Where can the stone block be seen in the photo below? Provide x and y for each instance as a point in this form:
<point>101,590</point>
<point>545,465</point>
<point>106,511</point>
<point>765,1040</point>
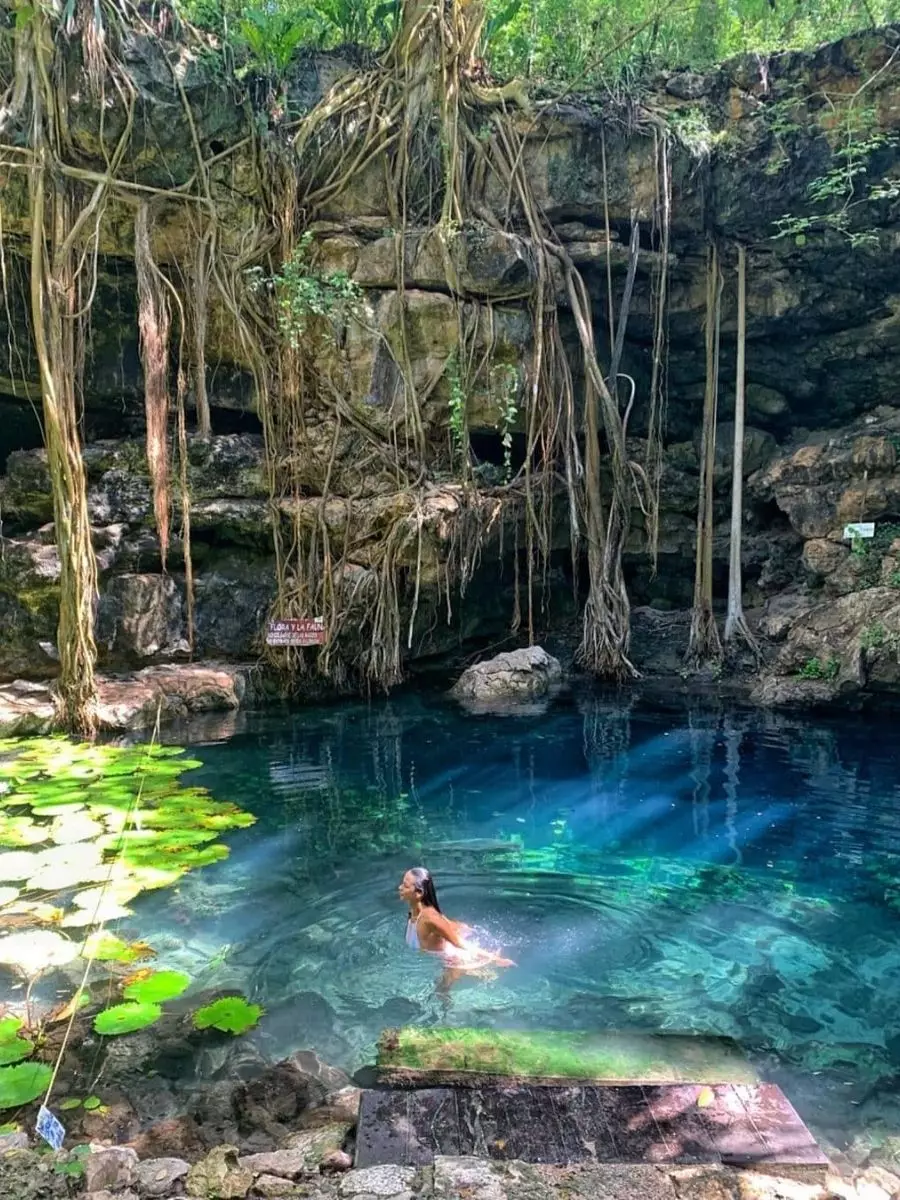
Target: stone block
<point>110,1168</point>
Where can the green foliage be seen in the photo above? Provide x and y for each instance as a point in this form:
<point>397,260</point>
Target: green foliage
<point>691,127</point>
<point>815,668</point>
<point>551,42</point>
<point>840,196</point>
<point>106,947</point>
<point>126,1018</point>
<point>23,1083</point>
<point>873,636</point>
<point>458,406</point>
<point>157,987</point>
<point>505,389</point>
<point>301,293</point>
<point>73,1164</point>
<point>13,1048</point>
<point>233,1014</point>
<point>271,37</point>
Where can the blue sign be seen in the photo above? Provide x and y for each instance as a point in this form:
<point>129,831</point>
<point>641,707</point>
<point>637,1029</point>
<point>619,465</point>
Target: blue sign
<point>52,1131</point>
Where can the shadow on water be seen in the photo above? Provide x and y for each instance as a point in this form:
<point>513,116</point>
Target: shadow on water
<point>649,867</point>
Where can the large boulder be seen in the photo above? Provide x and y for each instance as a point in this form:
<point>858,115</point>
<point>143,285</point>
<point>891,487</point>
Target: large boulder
<point>516,675</point>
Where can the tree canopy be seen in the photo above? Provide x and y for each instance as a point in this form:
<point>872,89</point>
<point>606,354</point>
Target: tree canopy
<point>558,43</point>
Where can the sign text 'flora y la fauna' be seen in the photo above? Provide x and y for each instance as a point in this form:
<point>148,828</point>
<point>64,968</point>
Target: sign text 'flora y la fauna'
<point>296,631</point>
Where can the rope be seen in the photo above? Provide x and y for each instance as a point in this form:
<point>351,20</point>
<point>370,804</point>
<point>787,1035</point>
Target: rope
<point>100,926</point>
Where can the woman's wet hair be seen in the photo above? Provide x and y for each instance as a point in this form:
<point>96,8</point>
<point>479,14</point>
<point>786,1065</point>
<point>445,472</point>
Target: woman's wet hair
<point>424,885</point>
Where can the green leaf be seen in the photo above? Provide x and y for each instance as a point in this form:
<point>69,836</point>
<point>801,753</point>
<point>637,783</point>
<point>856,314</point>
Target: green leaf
<point>15,1051</point>
<point>68,1105</point>
<point>92,1103</point>
<point>106,947</point>
<point>233,1014</point>
<point>23,1083</point>
<point>158,987</point>
<point>12,1047</point>
<point>126,1018</point>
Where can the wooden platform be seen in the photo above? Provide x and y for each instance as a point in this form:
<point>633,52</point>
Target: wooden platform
<point>441,1057</point>
<point>742,1125</point>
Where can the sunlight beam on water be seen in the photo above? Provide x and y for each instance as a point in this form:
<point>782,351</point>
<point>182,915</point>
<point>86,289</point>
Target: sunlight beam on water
<point>696,871</point>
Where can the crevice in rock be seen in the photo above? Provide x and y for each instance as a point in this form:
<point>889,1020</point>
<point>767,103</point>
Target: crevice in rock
<point>20,428</point>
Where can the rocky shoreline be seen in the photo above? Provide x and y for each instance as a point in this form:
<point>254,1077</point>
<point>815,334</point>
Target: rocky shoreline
<point>289,1132</point>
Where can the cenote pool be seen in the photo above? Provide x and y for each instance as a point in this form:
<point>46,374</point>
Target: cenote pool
<point>683,869</point>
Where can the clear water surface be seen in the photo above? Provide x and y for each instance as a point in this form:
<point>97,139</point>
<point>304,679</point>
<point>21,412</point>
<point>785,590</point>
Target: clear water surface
<point>684,869</point>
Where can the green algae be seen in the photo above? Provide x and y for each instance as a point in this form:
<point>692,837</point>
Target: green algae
<point>601,1056</point>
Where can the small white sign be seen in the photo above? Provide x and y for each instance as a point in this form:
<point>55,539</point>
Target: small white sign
<point>50,1129</point>
<point>864,529</point>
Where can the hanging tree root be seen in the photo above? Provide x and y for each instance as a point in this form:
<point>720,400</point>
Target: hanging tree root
<point>422,116</point>
<point>735,621</point>
<point>704,646</point>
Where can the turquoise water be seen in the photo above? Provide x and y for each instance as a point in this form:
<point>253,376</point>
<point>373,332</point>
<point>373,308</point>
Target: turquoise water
<point>723,872</point>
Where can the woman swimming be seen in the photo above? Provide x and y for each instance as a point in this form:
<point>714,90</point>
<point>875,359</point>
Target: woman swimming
<point>428,929</point>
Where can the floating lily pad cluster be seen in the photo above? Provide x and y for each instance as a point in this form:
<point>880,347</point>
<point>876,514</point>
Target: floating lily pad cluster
<point>84,829</point>
<point>87,828</point>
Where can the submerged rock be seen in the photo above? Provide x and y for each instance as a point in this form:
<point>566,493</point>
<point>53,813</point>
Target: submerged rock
<point>515,675</point>
<point>275,1101</point>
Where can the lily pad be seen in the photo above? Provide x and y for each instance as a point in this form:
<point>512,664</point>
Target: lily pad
<point>233,1014</point>
<point>21,831</point>
<point>12,1047</point>
<point>36,951</point>
<point>79,827</point>
<point>84,918</point>
<point>16,866</point>
<point>121,891</point>
<point>92,1103</point>
<point>15,1050</point>
<point>157,987</point>
<point>47,914</point>
<point>7,895</point>
<point>23,1083</point>
<point>106,947</point>
<point>126,1018</point>
<point>69,1105</point>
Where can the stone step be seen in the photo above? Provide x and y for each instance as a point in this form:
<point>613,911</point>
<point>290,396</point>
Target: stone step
<point>454,1056</point>
<point>736,1124</point>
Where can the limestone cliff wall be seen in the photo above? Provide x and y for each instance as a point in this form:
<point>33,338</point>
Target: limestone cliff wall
<point>747,142</point>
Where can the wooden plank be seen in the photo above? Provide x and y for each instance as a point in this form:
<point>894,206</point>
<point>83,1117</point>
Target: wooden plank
<point>671,1123</point>
<point>455,1057</point>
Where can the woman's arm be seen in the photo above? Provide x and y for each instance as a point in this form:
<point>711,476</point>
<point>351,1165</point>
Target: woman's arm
<point>449,931</point>
<point>445,928</point>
